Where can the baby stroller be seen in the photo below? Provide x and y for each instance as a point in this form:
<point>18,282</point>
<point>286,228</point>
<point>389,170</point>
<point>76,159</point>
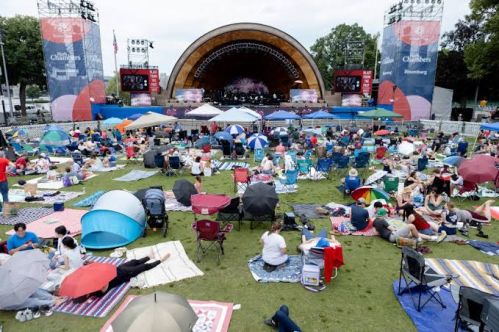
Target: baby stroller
<point>154,205</point>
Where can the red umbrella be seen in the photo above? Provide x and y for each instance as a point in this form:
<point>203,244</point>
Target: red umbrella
<point>87,279</point>
<point>382,132</point>
<point>480,169</point>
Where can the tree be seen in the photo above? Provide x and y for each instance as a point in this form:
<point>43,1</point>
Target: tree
<point>111,90</point>
<point>329,51</point>
<point>33,91</point>
<point>23,53</point>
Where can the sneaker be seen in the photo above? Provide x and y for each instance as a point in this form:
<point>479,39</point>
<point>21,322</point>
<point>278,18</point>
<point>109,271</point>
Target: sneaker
<point>20,316</point>
<point>270,322</point>
<point>47,313</point>
<point>36,314</point>
<point>28,314</point>
<point>441,237</point>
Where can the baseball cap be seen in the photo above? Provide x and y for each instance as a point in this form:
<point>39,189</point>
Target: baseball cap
<point>381,212</point>
<point>361,201</point>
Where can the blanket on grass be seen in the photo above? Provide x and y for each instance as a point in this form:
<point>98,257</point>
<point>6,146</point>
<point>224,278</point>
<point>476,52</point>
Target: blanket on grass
<point>49,196</point>
<point>309,210</point>
<point>136,175</point>
<point>109,169</point>
<point>229,165</point>
<point>489,248</point>
<point>26,215</point>
<point>171,204</point>
<point>290,272</point>
<point>90,200</point>
<point>343,225</point>
<point>177,267</point>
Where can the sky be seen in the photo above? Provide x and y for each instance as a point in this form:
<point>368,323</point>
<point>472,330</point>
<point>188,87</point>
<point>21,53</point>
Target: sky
<point>173,25</point>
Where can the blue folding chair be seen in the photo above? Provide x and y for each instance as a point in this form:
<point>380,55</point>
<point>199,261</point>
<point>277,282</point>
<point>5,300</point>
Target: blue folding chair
<point>259,154</point>
<point>290,180</point>
<point>324,166</point>
<point>304,166</point>
<point>362,160</point>
<point>343,162</point>
<point>293,155</point>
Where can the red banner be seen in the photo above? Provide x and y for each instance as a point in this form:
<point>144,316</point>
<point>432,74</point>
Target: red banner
<point>139,80</point>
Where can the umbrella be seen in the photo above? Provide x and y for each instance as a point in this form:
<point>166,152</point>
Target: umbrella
<point>406,148</point>
<point>112,121</point>
<point>234,129</point>
<point>55,138</point>
<point>121,126</point>
<point>223,135</point>
<point>382,132</point>
<point>158,311</point>
<point>260,199</point>
<point>281,131</point>
<point>135,116</point>
<point>379,113</point>
<point>378,175</point>
<point>19,133</point>
<point>453,160</point>
<point>282,115</point>
<point>183,190</point>
<point>370,194</point>
<point>258,141</point>
<point>87,279</point>
<point>21,276</point>
<point>480,169</point>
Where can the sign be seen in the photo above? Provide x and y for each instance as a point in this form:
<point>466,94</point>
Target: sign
<point>139,80</point>
<point>303,95</point>
<point>353,81</point>
<point>73,64</point>
<point>189,95</point>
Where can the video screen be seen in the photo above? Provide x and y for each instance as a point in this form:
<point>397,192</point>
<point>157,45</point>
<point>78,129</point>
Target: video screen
<point>138,83</point>
<point>347,84</point>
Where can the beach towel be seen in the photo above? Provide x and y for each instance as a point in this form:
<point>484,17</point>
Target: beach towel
<point>177,267</point>
<point>136,175</point>
<point>309,210</point>
<point>290,272</point>
<point>90,200</point>
<point>49,196</point>
<point>171,204</point>
<point>97,306</point>
<point>109,169</point>
<point>26,215</point>
<point>282,189</point>
<point>229,165</point>
<point>45,226</point>
<point>489,248</point>
<point>482,276</point>
<point>212,316</point>
<point>338,223</point>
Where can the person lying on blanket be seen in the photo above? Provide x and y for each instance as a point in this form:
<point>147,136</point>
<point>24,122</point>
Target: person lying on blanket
<point>423,226</point>
<point>310,240</point>
<point>274,252</point>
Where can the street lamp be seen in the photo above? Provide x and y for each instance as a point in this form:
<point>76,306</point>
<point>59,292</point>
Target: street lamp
<point>11,108</point>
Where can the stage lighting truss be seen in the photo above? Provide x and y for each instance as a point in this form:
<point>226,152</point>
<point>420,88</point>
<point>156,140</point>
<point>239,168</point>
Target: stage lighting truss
<point>417,10</point>
<point>354,52</point>
<point>138,51</point>
<point>67,8</point>
<point>292,71</point>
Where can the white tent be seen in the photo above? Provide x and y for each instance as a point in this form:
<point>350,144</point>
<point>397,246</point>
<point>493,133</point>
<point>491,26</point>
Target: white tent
<point>205,110</point>
<point>250,111</point>
<point>150,119</point>
<point>234,115</point>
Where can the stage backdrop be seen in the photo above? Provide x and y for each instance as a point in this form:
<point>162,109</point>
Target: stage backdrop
<point>73,62</point>
<point>408,65</point>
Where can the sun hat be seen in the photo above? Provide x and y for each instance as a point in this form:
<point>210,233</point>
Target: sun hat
<point>353,172</point>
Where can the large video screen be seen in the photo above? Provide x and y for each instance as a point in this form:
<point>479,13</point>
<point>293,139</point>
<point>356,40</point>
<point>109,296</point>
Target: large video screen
<point>135,83</point>
<point>348,84</point>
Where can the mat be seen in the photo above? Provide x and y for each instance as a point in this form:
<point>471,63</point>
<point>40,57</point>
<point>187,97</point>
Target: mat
<point>56,160</point>
<point>171,204</point>
<point>97,306</point>
<point>291,272</point>
<point>90,200</point>
<point>482,276</point>
<point>109,169</point>
<point>368,231</point>
<point>26,215</point>
<point>229,165</point>
<point>282,189</point>
<point>177,267</point>
<point>489,248</point>
<point>136,175</point>
<point>45,226</point>
<point>432,317</point>
<point>43,184</point>
<point>212,316</point>
<point>308,210</point>
<point>18,195</point>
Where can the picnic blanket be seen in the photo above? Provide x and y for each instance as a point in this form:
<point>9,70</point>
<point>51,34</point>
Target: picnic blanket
<point>212,316</point>
<point>26,215</point>
<point>49,196</point>
<point>489,248</point>
<point>340,224</point>
<point>308,210</point>
<point>482,276</point>
<point>109,169</point>
<point>282,189</point>
<point>229,165</point>
<point>97,306</point>
<point>90,200</point>
<point>290,272</point>
<point>44,227</point>
<point>136,175</point>
<point>171,204</point>
<point>177,267</point>
<point>432,317</point>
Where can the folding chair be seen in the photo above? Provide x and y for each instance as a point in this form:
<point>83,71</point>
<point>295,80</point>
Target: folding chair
<point>467,191</point>
<point>293,156</point>
<point>324,165</point>
<point>362,160</point>
<point>391,184</point>
<point>290,180</point>
<point>472,309</point>
<point>380,152</point>
<point>422,163</point>
<point>343,162</point>
<point>351,183</point>
<point>241,178</point>
<point>175,165</point>
<point>259,154</point>
<point>414,270</point>
<point>209,235</point>
<point>304,166</point>
<point>232,212</point>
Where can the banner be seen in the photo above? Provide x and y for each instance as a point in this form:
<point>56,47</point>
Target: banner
<point>73,63</point>
<point>408,66</point>
<point>189,95</point>
<point>303,95</point>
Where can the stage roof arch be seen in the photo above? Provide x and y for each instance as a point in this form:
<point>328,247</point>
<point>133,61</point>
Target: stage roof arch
<point>240,50</point>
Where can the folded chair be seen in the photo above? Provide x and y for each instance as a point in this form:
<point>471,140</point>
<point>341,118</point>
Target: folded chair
<point>209,235</point>
<point>421,277</point>
<point>473,309</point>
<point>241,178</point>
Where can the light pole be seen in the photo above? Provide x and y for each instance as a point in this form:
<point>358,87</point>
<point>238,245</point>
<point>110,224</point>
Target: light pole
<point>11,108</point>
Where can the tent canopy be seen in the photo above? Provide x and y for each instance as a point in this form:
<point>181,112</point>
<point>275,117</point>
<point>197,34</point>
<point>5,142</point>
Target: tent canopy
<point>250,111</point>
<point>205,110</point>
<point>234,115</point>
<point>282,115</point>
<point>150,119</point>
<point>320,115</point>
<point>379,113</point>
<point>490,126</point>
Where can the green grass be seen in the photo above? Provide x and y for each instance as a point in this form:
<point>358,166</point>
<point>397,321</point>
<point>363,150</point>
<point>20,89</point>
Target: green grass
<point>359,299</point>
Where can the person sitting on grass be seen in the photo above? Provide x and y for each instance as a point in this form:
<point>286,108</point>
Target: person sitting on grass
<point>71,254</point>
<point>352,181</point>
<point>449,219</point>
<point>423,227</point>
<point>274,248</point>
<point>268,166</point>
<point>281,321</point>
<point>359,216</point>
<point>22,240</point>
<point>197,167</point>
<point>433,203</point>
<point>391,233</point>
<point>56,254</point>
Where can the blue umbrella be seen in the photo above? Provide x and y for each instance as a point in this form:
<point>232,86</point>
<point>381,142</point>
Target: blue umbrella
<point>282,115</point>
<point>234,129</point>
<point>55,138</point>
<point>257,141</point>
<point>112,121</point>
<point>135,116</point>
<point>223,135</point>
<point>453,160</point>
<point>319,115</point>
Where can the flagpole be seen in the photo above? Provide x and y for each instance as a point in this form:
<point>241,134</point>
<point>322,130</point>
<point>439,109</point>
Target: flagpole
<point>116,66</point>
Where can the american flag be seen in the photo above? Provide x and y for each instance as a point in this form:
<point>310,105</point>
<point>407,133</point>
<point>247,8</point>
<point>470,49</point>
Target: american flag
<point>115,43</point>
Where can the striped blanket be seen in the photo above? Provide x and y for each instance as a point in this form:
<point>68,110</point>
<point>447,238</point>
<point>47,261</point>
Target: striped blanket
<point>229,165</point>
<point>90,200</point>
<point>482,276</point>
<point>97,306</point>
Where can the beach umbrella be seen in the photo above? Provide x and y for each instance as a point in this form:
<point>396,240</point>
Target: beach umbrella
<point>406,148</point>
<point>52,127</point>
<point>370,193</point>
<point>378,175</point>
<point>183,190</point>
<point>135,116</point>
<point>87,279</point>
<point>260,199</point>
<point>382,132</point>
<point>480,169</point>
<point>453,160</point>
<point>121,126</point>
<point>281,131</point>
<point>112,121</point>
<point>223,135</point>
<point>379,113</point>
<point>258,141</point>
<point>157,311</point>
<point>234,129</point>
<point>21,276</point>
<point>55,138</point>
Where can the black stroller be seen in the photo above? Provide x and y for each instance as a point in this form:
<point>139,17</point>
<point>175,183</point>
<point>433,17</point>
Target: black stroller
<point>154,205</point>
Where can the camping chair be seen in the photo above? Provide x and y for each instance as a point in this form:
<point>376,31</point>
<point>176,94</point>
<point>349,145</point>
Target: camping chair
<point>422,163</point>
<point>351,183</point>
<point>277,159</point>
<point>226,149</point>
<point>414,271</point>
<point>210,232</point>
<point>467,191</point>
<point>391,184</point>
<point>343,162</point>
<point>231,212</point>
<point>304,166</point>
<point>344,141</point>
<point>293,156</point>
<point>324,165</point>
<point>175,165</point>
<point>289,182</point>
<point>17,147</point>
<point>380,152</point>
<point>77,157</point>
<point>462,148</point>
<point>285,140</point>
<point>259,154</point>
<point>362,160</point>
<point>308,154</point>
<point>241,178</point>
<point>473,309</point>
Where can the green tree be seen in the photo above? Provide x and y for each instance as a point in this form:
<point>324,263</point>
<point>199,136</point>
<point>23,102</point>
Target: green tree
<point>23,53</point>
<point>33,91</point>
<point>329,51</point>
<point>111,90</point>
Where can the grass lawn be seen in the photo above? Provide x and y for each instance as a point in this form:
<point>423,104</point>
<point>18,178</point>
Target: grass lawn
<point>359,299</point>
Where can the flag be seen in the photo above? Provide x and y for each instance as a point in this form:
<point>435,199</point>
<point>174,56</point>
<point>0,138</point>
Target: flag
<point>115,44</point>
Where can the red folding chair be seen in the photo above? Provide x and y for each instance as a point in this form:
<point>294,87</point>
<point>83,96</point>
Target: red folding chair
<point>468,190</point>
<point>241,178</point>
<point>210,236</point>
<point>380,152</point>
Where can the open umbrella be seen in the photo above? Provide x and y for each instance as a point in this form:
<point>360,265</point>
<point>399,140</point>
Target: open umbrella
<point>258,141</point>
<point>121,126</point>
<point>19,133</point>
<point>260,199</point>
<point>223,135</point>
<point>382,132</point>
<point>21,276</point>
<point>234,129</point>
<point>453,160</point>
<point>281,131</point>
<point>87,279</point>
<point>378,175</point>
<point>406,148</point>
<point>112,121</point>
<point>379,113</point>
<point>183,190</point>
<point>158,311</point>
<point>369,194</point>
<point>135,116</point>
<point>480,169</point>
<point>55,138</point>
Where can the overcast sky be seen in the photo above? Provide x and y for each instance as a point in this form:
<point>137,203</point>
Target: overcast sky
<point>173,24</point>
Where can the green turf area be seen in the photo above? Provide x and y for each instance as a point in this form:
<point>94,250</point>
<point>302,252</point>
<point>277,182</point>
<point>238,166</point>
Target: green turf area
<point>359,299</point>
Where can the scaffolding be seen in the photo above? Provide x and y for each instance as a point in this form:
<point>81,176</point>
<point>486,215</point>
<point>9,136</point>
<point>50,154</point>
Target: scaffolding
<point>414,10</point>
